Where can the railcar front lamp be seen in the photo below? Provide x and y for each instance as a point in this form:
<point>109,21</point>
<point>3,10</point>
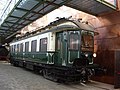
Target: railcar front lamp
<point>86,55</point>
<point>94,54</point>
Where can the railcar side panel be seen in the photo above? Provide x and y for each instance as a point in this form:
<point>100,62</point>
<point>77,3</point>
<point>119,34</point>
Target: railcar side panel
<point>31,50</point>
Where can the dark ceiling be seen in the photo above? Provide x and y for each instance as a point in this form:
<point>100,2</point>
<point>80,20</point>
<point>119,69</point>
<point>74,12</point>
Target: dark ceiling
<point>27,11</point>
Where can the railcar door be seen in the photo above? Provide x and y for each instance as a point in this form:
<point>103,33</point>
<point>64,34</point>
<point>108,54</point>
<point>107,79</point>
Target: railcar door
<point>61,48</point>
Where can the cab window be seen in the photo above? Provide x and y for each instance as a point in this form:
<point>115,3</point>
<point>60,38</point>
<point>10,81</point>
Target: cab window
<point>74,41</point>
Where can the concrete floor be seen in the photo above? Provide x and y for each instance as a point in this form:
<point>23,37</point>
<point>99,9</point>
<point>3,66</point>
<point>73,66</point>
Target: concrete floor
<point>16,78</point>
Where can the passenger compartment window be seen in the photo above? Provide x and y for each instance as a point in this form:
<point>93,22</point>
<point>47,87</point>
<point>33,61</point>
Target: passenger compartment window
<point>21,47</point>
<point>26,46</point>
<point>43,44</point>
<point>14,50</point>
<point>34,46</point>
<point>74,41</point>
<point>18,48</point>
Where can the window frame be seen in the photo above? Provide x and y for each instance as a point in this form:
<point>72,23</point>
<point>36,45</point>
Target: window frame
<point>34,46</point>
<point>87,33</point>
<point>21,47</point>
<point>27,50</point>
<point>18,48</point>
<point>14,48</point>
<point>74,47</point>
<point>41,49</point>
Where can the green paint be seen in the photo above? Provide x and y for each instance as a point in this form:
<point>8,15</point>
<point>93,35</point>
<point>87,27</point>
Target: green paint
<point>64,55</point>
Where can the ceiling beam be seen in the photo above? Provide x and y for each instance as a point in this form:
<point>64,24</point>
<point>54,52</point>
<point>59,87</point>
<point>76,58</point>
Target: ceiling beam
<point>13,23</point>
<point>25,10</point>
<point>21,19</point>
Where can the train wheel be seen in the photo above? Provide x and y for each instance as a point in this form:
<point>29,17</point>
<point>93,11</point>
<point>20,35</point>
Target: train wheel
<point>15,63</point>
<point>48,75</point>
<point>45,75</point>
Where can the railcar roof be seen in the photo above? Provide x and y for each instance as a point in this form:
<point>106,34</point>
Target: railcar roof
<point>64,21</point>
<point>77,23</point>
<point>60,25</point>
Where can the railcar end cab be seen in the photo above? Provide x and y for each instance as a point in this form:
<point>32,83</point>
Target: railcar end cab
<point>72,45</point>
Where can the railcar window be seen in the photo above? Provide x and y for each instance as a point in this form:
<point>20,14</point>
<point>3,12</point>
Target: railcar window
<point>18,48</point>
<point>14,50</point>
<point>26,46</point>
<point>74,41</point>
<point>58,43</point>
<point>21,47</point>
<point>33,46</point>
<point>11,48</point>
<point>40,45</point>
<point>87,39</point>
<point>43,44</point>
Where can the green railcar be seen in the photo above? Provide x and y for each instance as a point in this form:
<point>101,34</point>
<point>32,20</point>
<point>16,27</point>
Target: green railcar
<point>61,51</point>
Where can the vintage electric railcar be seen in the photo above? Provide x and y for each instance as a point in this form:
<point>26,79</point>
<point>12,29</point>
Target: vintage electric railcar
<point>61,51</point>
